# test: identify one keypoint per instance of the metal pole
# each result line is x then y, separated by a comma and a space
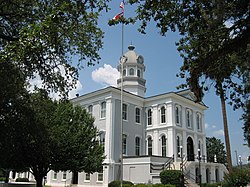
236, 158
122, 61
240, 161
182, 174
199, 158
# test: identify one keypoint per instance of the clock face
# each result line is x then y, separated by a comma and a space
140, 59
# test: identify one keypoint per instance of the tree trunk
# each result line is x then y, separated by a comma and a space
39, 181
227, 141
6, 173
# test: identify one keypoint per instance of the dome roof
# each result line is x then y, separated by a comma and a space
131, 55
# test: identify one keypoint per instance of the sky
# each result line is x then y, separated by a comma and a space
162, 62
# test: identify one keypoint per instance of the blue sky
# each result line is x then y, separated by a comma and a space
162, 64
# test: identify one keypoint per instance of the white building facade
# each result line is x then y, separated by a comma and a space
165, 131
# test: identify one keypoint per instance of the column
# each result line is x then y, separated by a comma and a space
155, 142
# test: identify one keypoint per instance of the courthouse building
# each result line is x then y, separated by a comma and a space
165, 131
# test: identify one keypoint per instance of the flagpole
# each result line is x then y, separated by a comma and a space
122, 63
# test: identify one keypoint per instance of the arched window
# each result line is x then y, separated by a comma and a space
177, 115
137, 146
131, 71
138, 115
163, 115
198, 121
138, 73
90, 109
150, 146
207, 175
103, 109
149, 117
217, 178
163, 146
189, 118
178, 146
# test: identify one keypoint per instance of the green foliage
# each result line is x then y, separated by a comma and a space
2, 178
56, 135
40, 37
215, 147
22, 180
154, 185
246, 120
118, 184
214, 41
170, 177
240, 177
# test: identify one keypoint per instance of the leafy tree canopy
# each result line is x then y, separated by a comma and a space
215, 147
214, 43
51, 135
40, 38
246, 121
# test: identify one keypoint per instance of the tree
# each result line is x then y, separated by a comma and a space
246, 119
215, 147
40, 37
214, 45
57, 136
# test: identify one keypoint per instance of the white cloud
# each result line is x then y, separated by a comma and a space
213, 126
218, 133
37, 82
206, 126
106, 75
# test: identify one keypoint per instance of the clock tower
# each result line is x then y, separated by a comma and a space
131, 68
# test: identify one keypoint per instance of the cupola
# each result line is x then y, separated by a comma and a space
131, 68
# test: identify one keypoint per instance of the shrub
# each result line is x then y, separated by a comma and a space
118, 184
22, 180
154, 185
170, 177
2, 178
240, 177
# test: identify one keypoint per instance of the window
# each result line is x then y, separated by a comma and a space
163, 115
124, 144
189, 118
150, 146
138, 73
178, 144
138, 115
100, 176
64, 175
149, 117
124, 111
163, 146
124, 72
103, 109
102, 139
87, 177
137, 146
55, 175
198, 121
131, 72
90, 109
177, 115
